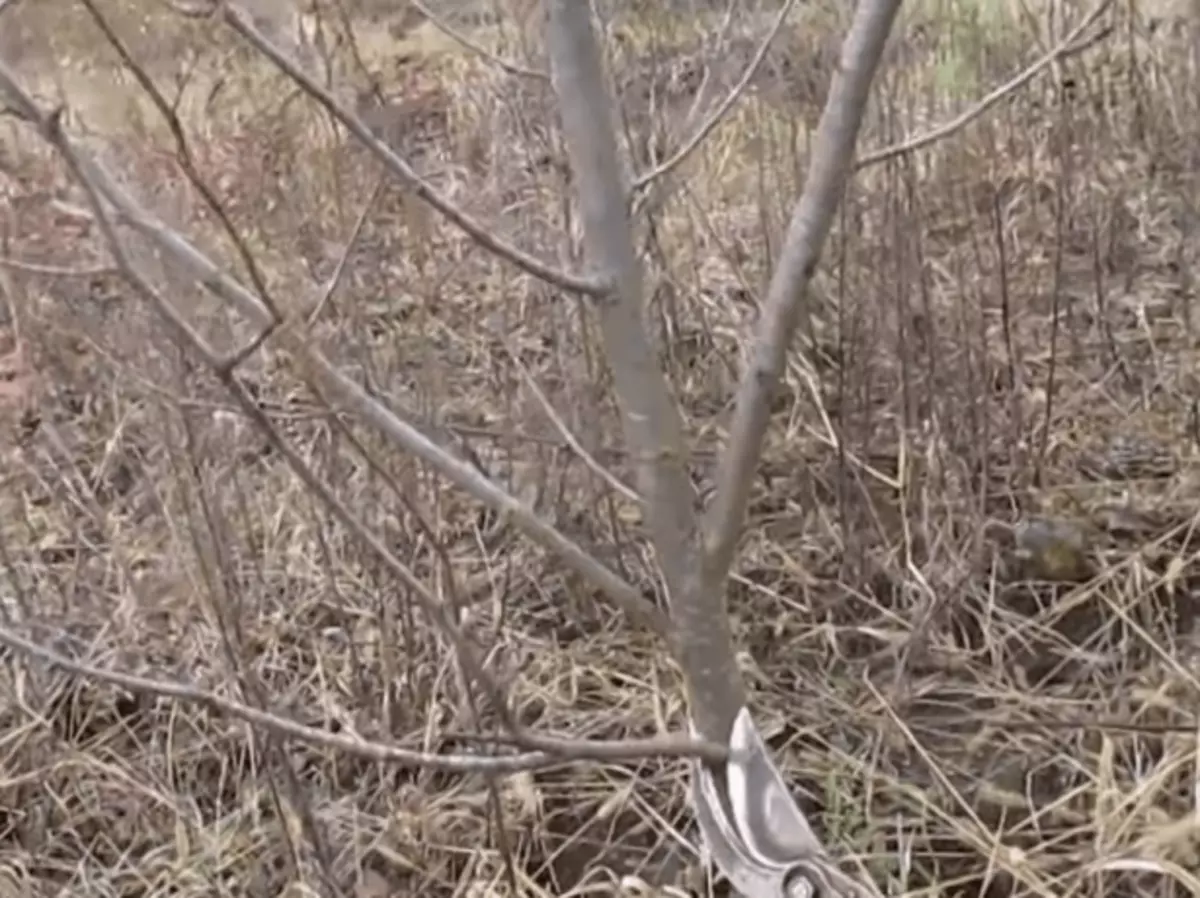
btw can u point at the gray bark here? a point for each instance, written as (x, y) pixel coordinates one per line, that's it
(696, 555)
(696, 573)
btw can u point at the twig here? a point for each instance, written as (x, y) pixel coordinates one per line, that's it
(453, 33)
(58, 271)
(561, 426)
(184, 154)
(334, 279)
(812, 217)
(1069, 46)
(241, 23)
(722, 109)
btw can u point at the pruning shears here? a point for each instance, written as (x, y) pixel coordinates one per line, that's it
(752, 830)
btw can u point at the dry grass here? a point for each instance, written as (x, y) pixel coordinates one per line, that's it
(1005, 329)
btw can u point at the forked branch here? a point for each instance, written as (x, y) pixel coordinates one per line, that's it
(696, 573)
(540, 750)
(696, 556)
(343, 391)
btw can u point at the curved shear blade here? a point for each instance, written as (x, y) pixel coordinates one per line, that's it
(770, 822)
(725, 847)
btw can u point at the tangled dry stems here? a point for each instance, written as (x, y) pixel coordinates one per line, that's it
(1005, 333)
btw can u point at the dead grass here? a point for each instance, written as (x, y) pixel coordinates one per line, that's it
(956, 732)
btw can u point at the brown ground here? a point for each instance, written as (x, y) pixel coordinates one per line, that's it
(1005, 335)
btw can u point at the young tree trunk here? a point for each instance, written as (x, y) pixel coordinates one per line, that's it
(696, 555)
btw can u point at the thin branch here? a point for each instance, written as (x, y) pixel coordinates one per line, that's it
(184, 153)
(650, 419)
(656, 194)
(1070, 45)
(434, 609)
(478, 49)
(572, 750)
(652, 423)
(438, 611)
(242, 24)
(57, 271)
(569, 438)
(828, 172)
(342, 390)
(339, 271)
(722, 109)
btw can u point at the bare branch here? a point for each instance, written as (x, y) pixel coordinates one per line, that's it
(183, 153)
(454, 34)
(560, 425)
(722, 110)
(58, 271)
(224, 369)
(342, 390)
(1071, 44)
(434, 609)
(572, 750)
(339, 270)
(829, 169)
(650, 418)
(240, 22)
(651, 421)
